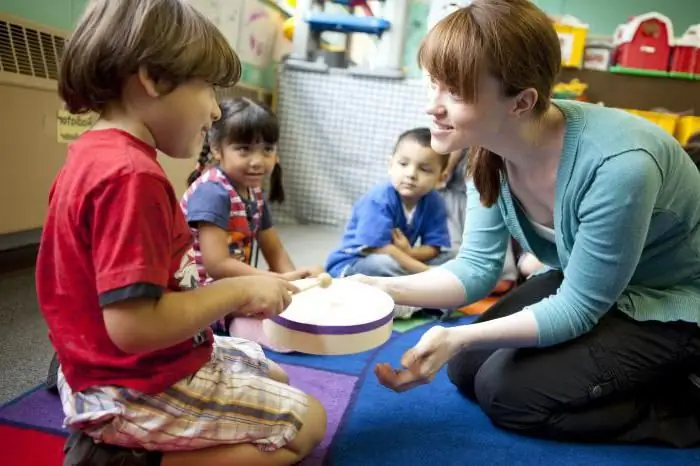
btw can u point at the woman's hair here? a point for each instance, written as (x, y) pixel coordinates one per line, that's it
(692, 147)
(243, 121)
(512, 41)
(170, 39)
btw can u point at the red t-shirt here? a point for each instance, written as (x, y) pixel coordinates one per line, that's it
(114, 231)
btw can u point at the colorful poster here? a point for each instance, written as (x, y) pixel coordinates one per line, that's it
(230, 14)
(440, 9)
(210, 8)
(257, 36)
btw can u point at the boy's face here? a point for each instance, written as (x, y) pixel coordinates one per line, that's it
(415, 170)
(179, 120)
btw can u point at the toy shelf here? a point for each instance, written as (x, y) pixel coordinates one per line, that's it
(320, 22)
(642, 92)
(653, 73)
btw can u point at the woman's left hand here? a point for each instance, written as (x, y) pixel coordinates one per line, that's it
(421, 363)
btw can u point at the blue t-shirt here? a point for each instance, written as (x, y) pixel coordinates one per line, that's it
(211, 203)
(377, 213)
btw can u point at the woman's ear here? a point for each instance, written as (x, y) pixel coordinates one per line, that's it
(524, 102)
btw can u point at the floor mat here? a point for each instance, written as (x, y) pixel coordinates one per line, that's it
(30, 447)
(367, 424)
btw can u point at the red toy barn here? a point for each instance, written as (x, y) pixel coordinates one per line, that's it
(644, 42)
(686, 52)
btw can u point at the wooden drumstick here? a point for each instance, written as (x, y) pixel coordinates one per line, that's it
(323, 280)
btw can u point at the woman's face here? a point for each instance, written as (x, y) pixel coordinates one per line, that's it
(458, 124)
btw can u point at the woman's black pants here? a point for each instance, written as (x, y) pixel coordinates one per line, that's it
(624, 381)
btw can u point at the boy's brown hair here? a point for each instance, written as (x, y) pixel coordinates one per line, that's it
(510, 40)
(114, 38)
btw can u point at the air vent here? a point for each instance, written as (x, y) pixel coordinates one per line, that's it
(29, 51)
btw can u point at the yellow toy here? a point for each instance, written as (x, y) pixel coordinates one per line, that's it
(571, 90)
(288, 28)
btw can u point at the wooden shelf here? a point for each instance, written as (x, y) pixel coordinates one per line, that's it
(637, 92)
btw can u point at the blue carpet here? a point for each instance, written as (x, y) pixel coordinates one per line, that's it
(353, 364)
(375, 426)
(433, 424)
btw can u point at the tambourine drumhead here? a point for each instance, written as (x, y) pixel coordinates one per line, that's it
(347, 317)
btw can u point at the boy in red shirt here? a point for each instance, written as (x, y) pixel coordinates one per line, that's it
(142, 380)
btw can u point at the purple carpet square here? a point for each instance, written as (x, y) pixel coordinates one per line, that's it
(38, 409)
(43, 410)
(333, 390)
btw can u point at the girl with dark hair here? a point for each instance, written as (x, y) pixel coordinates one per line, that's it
(227, 211)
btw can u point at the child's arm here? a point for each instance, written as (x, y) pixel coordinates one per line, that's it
(402, 258)
(272, 248)
(143, 325)
(208, 210)
(218, 262)
(424, 252)
(136, 235)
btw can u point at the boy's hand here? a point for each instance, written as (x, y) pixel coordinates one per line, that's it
(265, 296)
(399, 240)
(293, 275)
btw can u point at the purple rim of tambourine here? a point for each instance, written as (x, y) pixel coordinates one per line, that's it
(332, 329)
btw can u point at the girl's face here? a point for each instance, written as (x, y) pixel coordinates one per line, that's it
(458, 124)
(246, 164)
(179, 120)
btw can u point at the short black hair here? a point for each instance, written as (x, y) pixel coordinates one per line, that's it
(420, 135)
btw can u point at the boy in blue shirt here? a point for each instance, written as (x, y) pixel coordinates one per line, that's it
(399, 227)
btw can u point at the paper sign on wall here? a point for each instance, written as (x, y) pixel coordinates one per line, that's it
(70, 126)
(566, 42)
(209, 8)
(257, 35)
(230, 14)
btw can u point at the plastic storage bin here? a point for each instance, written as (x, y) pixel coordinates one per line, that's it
(667, 121)
(686, 127)
(572, 38)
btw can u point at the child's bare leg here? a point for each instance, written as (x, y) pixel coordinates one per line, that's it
(277, 373)
(310, 435)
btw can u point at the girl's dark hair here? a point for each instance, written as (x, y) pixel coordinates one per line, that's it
(202, 162)
(243, 121)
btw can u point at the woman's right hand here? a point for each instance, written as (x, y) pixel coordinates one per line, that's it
(382, 283)
(265, 296)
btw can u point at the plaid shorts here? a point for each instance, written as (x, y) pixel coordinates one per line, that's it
(230, 400)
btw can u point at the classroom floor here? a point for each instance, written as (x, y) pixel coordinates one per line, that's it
(25, 350)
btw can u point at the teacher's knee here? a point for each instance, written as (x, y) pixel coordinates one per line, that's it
(506, 395)
(462, 370)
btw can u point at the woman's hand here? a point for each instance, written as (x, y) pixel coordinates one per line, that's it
(422, 362)
(381, 283)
